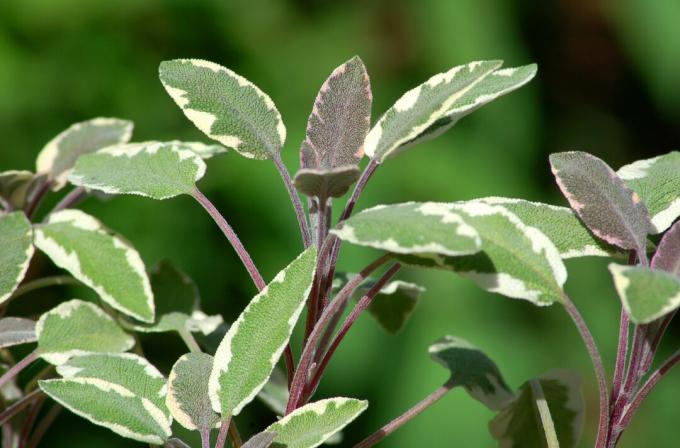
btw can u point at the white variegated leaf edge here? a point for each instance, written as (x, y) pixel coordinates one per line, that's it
(23, 268)
(174, 405)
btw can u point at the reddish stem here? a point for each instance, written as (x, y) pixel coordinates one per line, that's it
(295, 199)
(18, 367)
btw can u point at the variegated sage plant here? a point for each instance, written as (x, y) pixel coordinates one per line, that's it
(93, 360)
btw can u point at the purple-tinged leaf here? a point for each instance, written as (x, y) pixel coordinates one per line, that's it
(325, 183)
(667, 256)
(600, 198)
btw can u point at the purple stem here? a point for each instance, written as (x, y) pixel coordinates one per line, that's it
(295, 199)
(205, 438)
(44, 425)
(17, 407)
(37, 198)
(72, 198)
(18, 367)
(222, 436)
(621, 355)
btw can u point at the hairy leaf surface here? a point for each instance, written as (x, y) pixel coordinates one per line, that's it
(647, 294)
(16, 250)
(187, 397)
(667, 256)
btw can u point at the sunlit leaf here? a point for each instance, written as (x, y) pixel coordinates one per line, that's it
(421, 107)
(312, 424)
(657, 183)
(16, 186)
(16, 250)
(225, 106)
(667, 256)
(599, 197)
(60, 154)
(187, 397)
(646, 293)
(473, 370)
(101, 260)
(75, 328)
(153, 169)
(519, 424)
(255, 341)
(16, 331)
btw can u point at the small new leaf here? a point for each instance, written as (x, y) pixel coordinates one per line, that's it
(225, 106)
(647, 294)
(326, 182)
(77, 327)
(62, 152)
(667, 255)
(473, 370)
(313, 424)
(187, 397)
(657, 183)
(599, 197)
(153, 169)
(254, 343)
(101, 260)
(16, 250)
(16, 331)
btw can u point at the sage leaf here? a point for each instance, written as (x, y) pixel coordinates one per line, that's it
(254, 343)
(561, 225)
(225, 106)
(411, 228)
(204, 151)
(667, 255)
(75, 328)
(519, 424)
(261, 440)
(599, 197)
(111, 406)
(646, 294)
(423, 106)
(79, 243)
(155, 170)
(16, 331)
(16, 250)
(275, 394)
(311, 425)
(61, 153)
(174, 442)
(472, 369)
(187, 396)
(16, 186)
(325, 183)
(657, 183)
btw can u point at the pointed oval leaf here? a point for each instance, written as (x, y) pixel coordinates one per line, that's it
(561, 225)
(340, 119)
(111, 406)
(647, 294)
(599, 197)
(225, 106)
(77, 327)
(187, 397)
(152, 169)
(657, 183)
(61, 153)
(16, 331)
(473, 370)
(101, 260)
(242, 366)
(411, 228)
(127, 370)
(667, 256)
(261, 440)
(16, 250)
(16, 186)
(325, 183)
(422, 106)
(313, 424)
(491, 87)
(519, 424)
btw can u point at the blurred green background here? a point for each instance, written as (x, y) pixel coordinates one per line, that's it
(607, 84)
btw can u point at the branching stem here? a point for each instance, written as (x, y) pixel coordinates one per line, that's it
(295, 199)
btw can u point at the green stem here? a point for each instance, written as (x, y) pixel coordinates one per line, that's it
(189, 340)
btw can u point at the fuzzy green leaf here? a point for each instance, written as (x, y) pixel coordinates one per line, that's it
(657, 183)
(647, 294)
(255, 341)
(473, 370)
(187, 397)
(16, 331)
(76, 327)
(152, 169)
(411, 228)
(261, 440)
(62, 152)
(599, 197)
(519, 424)
(16, 250)
(16, 186)
(225, 106)
(423, 106)
(101, 260)
(325, 183)
(312, 424)
(667, 255)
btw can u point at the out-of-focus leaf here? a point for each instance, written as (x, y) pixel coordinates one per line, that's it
(203, 150)
(647, 294)
(16, 250)
(79, 243)
(599, 197)
(325, 183)
(657, 183)
(61, 153)
(16, 186)
(225, 106)
(16, 331)
(152, 169)
(187, 396)
(667, 256)
(275, 392)
(174, 442)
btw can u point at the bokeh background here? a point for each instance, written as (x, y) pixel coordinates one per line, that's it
(607, 84)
